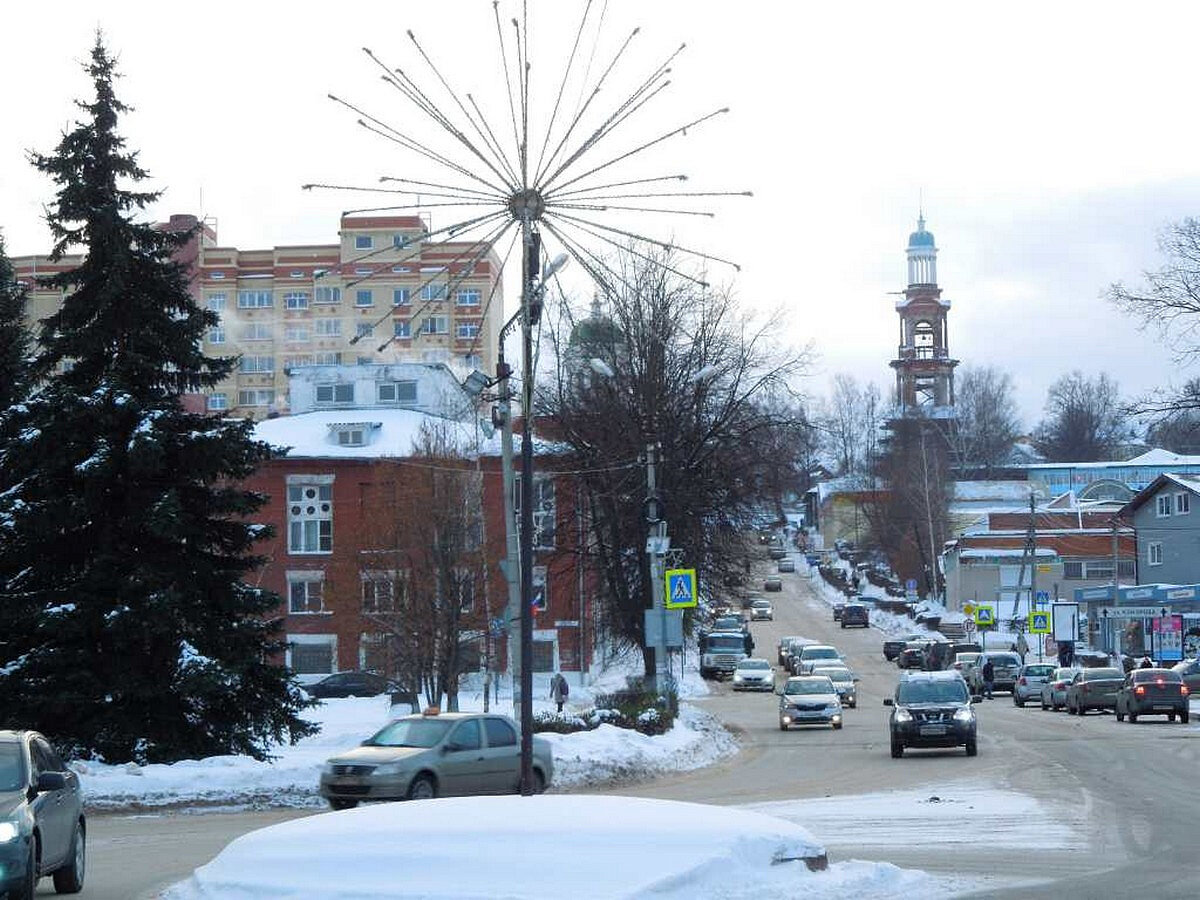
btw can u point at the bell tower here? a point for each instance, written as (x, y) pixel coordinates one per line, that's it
(924, 369)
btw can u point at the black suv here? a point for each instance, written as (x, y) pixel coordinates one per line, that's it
(349, 684)
(42, 827)
(931, 709)
(855, 614)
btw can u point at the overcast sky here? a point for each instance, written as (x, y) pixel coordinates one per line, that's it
(1050, 144)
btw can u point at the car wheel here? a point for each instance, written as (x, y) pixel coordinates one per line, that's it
(972, 748)
(335, 803)
(422, 788)
(897, 749)
(28, 886)
(69, 878)
(843, 625)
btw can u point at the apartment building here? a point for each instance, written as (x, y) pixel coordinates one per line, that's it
(384, 293)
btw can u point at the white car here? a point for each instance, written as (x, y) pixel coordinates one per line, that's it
(754, 674)
(802, 664)
(762, 610)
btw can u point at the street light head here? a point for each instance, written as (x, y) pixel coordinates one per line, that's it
(600, 367)
(556, 265)
(706, 373)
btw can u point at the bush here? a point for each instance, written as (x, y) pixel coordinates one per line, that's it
(560, 723)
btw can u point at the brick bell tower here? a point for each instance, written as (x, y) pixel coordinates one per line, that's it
(924, 369)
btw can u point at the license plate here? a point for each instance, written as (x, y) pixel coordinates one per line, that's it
(933, 730)
(811, 715)
(1166, 706)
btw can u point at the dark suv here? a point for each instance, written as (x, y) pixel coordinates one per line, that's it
(42, 831)
(349, 684)
(931, 709)
(855, 614)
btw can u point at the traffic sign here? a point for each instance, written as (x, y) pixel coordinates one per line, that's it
(911, 585)
(1043, 596)
(969, 609)
(1039, 622)
(969, 626)
(985, 615)
(681, 588)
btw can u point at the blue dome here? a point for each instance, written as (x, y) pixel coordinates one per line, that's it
(921, 238)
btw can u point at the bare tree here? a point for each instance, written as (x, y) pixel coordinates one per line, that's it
(986, 424)
(683, 369)
(850, 424)
(1084, 419)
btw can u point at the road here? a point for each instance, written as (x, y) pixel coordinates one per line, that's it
(1130, 792)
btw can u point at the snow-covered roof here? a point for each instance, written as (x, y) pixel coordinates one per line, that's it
(1003, 553)
(996, 490)
(315, 434)
(1155, 457)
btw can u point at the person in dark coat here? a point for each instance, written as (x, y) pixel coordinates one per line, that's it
(989, 679)
(1147, 663)
(559, 690)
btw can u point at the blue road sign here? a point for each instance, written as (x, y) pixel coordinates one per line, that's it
(1043, 596)
(681, 588)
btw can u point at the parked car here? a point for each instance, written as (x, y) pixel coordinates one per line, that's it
(350, 684)
(855, 614)
(809, 700)
(1094, 689)
(434, 755)
(721, 651)
(43, 830)
(785, 648)
(748, 600)
(753, 674)
(731, 622)
(838, 609)
(787, 565)
(1005, 666)
(893, 646)
(964, 661)
(772, 583)
(1054, 691)
(809, 654)
(1030, 679)
(762, 610)
(931, 709)
(777, 552)
(1153, 692)
(1189, 671)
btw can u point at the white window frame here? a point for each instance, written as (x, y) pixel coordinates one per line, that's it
(328, 327)
(337, 394)
(472, 361)
(256, 397)
(217, 402)
(216, 334)
(436, 325)
(468, 296)
(216, 302)
(1162, 506)
(364, 297)
(296, 299)
(327, 358)
(1154, 553)
(327, 295)
(298, 362)
(1183, 503)
(364, 242)
(256, 365)
(364, 329)
(401, 297)
(389, 392)
(310, 515)
(329, 640)
(351, 437)
(297, 333)
(255, 299)
(467, 330)
(401, 328)
(253, 332)
(545, 510)
(307, 577)
(378, 591)
(433, 292)
(217, 276)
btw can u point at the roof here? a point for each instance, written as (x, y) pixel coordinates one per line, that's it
(1189, 482)
(309, 434)
(1153, 457)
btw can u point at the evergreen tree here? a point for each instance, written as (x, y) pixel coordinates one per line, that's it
(14, 338)
(124, 537)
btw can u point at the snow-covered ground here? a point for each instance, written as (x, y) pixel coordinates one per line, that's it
(589, 757)
(579, 846)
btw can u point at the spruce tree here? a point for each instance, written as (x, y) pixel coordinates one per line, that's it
(14, 336)
(128, 631)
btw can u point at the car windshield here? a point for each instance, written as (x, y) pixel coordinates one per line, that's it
(819, 653)
(754, 664)
(808, 686)
(728, 622)
(726, 642)
(838, 675)
(1065, 674)
(12, 766)
(941, 691)
(762, 604)
(1040, 671)
(1099, 674)
(410, 733)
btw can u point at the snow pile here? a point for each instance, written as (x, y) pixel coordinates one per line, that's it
(579, 846)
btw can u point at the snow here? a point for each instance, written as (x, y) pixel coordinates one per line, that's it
(311, 434)
(1003, 553)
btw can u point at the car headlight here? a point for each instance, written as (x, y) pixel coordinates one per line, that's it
(396, 768)
(9, 832)
(903, 715)
(964, 715)
(737, 677)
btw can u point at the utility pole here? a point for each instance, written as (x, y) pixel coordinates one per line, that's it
(1115, 583)
(657, 538)
(512, 556)
(530, 259)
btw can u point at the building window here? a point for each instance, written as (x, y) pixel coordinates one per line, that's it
(363, 329)
(327, 359)
(216, 276)
(400, 270)
(218, 402)
(364, 360)
(256, 331)
(467, 330)
(335, 393)
(363, 242)
(468, 297)
(544, 513)
(399, 240)
(401, 329)
(254, 299)
(1183, 504)
(306, 593)
(329, 327)
(312, 654)
(328, 295)
(310, 518)
(295, 273)
(436, 325)
(397, 391)
(216, 335)
(1163, 505)
(364, 297)
(258, 397)
(401, 297)
(256, 365)
(296, 362)
(215, 302)
(464, 585)
(472, 361)
(350, 437)
(1154, 553)
(923, 340)
(380, 590)
(432, 292)
(296, 333)
(296, 300)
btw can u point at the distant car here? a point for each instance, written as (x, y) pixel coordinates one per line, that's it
(838, 609)
(1094, 689)
(810, 654)
(1005, 666)
(912, 656)
(1153, 692)
(43, 830)
(1030, 679)
(787, 565)
(931, 709)
(964, 661)
(843, 679)
(893, 646)
(426, 756)
(1054, 691)
(731, 622)
(855, 614)
(777, 553)
(809, 700)
(748, 600)
(792, 649)
(350, 684)
(753, 674)
(773, 583)
(762, 610)
(1189, 671)
(785, 648)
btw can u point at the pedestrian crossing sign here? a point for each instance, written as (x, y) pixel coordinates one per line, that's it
(1039, 622)
(681, 588)
(985, 616)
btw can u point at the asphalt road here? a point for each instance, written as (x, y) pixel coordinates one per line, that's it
(1131, 792)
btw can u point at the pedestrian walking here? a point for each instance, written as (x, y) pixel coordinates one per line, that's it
(559, 690)
(1147, 663)
(989, 679)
